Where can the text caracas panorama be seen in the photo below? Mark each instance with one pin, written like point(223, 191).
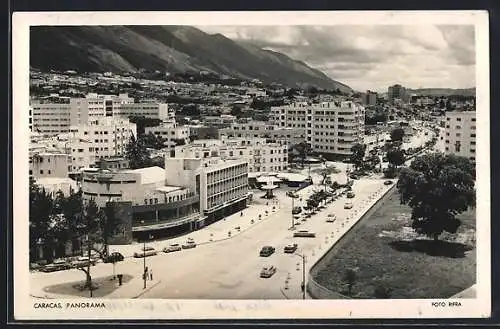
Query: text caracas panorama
point(69, 305)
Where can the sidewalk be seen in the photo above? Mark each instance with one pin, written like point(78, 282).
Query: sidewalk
point(223, 229)
point(291, 288)
point(133, 289)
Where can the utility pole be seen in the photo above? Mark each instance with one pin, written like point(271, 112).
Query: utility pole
point(144, 257)
point(303, 277)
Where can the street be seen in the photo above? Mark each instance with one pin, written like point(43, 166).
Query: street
point(230, 269)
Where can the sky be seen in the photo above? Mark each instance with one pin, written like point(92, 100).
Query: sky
point(373, 57)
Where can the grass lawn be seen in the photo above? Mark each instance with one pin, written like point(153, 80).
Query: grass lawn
point(385, 253)
point(105, 286)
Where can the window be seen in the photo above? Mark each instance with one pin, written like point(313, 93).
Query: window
point(472, 135)
point(145, 201)
point(459, 134)
point(472, 143)
point(459, 119)
point(473, 119)
point(458, 127)
point(49, 172)
point(41, 172)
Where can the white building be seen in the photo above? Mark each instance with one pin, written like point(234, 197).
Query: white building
point(49, 165)
point(222, 185)
point(170, 132)
point(460, 134)
point(260, 155)
point(262, 129)
point(55, 116)
point(86, 143)
point(331, 128)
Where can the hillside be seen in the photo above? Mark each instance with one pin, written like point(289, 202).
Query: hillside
point(174, 49)
point(443, 91)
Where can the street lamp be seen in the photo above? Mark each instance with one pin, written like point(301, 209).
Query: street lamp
point(293, 196)
point(303, 284)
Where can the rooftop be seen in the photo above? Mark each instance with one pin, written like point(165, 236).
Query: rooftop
point(149, 175)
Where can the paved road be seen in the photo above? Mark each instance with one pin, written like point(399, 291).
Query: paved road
point(230, 269)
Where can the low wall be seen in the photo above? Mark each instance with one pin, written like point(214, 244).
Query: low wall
point(316, 290)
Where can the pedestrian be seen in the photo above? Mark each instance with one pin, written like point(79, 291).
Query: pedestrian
point(151, 274)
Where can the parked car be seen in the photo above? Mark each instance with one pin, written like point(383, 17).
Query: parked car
point(145, 252)
point(304, 234)
point(388, 182)
point(348, 205)
point(350, 194)
point(172, 248)
point(267, 271)
point(113, 257)
point(296, 210)
point(189, 244)
point(266, 251)
point(331, 218)
point(291, 248)
point(82, 262)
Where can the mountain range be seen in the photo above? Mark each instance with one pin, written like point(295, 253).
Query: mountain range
point(443, 92)
point(173, 49)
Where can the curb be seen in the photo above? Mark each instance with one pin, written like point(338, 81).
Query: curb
point(146, 290)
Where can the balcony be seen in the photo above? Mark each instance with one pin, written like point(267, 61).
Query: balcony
point(163, 224)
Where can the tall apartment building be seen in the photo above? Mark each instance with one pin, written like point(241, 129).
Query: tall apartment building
point(263, 129)
point(370, 98)
point(260, 155)
point(55, 116)
point(222, 185)
point(331, 128)
point(460, 134)
point(397, 92)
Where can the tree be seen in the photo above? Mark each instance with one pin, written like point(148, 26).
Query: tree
point(437, 187)
point(152, 141)
point(397, 134)
point(40, 213)
point(358, 153)
point(303, 149)
point(137, 154)
point(143, 122)
point(236, 111)
point(93, 230)
point(396, 157)
point(349, 279)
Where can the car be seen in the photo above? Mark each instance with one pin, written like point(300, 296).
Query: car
point(304, 234)
point(266, 251)
point(172, 248)
point(145, 252)
point(348, 205)
point(83, 262)
point(291, 248)
point(331, 218)
point(113, 257)
point(189, 244)
point(267, 271)
point(350, 195)
point(353, 176)
point(296, 210)
point(57, 265)
point(388, 182)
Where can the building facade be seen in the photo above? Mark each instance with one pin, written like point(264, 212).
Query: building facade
point(54, 116)
point(460, 134)
point(171, 133)
point(262, 129)
point(331, 128)
point(260, 155)
point(222, 185)
point(141, 204)
point(397, 92)
point(45, 165)
point(370, 98)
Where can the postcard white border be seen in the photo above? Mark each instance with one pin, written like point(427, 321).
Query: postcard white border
point(237, 309)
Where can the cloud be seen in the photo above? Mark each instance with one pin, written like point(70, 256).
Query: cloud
point(373, 56)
